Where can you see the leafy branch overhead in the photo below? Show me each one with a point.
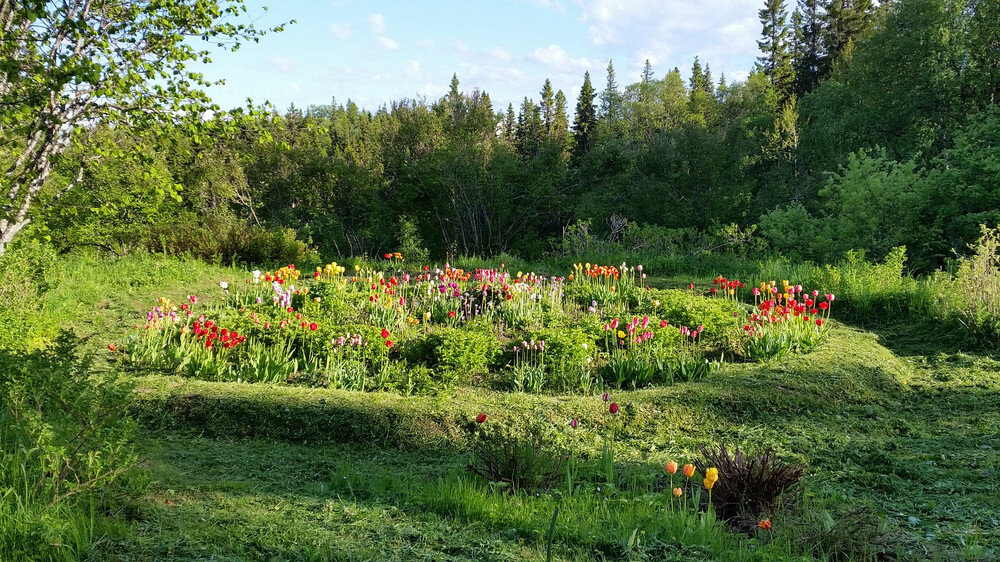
(65, 66)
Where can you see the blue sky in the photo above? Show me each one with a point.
(375, 52)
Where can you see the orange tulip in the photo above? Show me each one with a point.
(671, 467)
(765, 524)
(678, 492)
(689, 470)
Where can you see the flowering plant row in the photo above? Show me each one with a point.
(369, 328)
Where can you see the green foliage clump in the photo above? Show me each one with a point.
(526, 456)
(65, 449)
(567, 351)
(457, 353)
(682, 308)
(23, 282)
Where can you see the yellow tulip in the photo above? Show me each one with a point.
(709, 483)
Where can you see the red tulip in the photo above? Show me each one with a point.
(481, 418)
(313, 326)
(388, 343)
(385, 333)
(765, 524)
(111, 347)
(613, 408)
(824, 305)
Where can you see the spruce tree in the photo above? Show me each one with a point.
(697, 81)
(560, 123)
(776, 61)
(547, 107)
(585, 119)
(509, 131)
(611, 98)
(809, 42)
(844, 22)
(647, 73)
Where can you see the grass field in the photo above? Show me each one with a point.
(898, 426)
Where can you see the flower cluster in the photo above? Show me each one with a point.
(210, 334)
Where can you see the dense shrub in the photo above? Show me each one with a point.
(525, 457)
(64, 445)
(749, 485)
(23, 270)
(456, 353)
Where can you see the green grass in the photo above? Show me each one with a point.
(898, 427)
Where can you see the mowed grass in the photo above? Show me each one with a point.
(900, 433)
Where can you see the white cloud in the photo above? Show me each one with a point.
(388, 44)
(340, 30)
(672, 32)
(556, 58)
(294, 87)
(281, 64)
(427, 44)
(377, 23)
(413, 71)
(500, 53)
(431, 91)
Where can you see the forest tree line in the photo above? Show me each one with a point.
(862, 126)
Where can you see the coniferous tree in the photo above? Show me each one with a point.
(509, 131)
(611, 98)
(560, 123)
(529, 129)
(809, 47)
(776, 61)
(709, 87)
(844, 22)
(697, 81)
(647, 73)
(547, 106)
(585, 119)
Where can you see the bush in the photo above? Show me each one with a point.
(524, 458)
(22, 283)
(749, 486)
(978, 283)
(566, 353)
(682, 308)
(456, 352)
(64, 444)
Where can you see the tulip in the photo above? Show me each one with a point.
(671, 467)
(481, 418)
(385, 333)
(574, 423)
(765, 524)
(313, 326)
(708, 483)
(678, 492)
(688, 470)
(388, 343)
(111, 347)
(613, 408)
(605, 397)
(712, 474)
